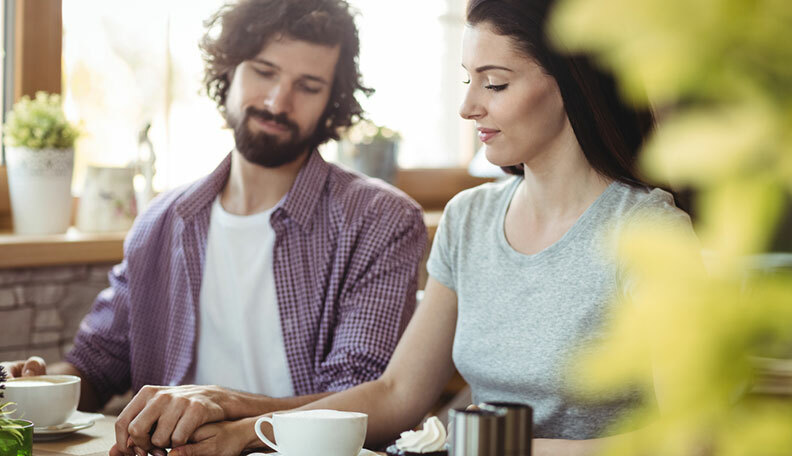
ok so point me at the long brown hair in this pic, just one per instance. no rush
(246, 26)
(610, 131)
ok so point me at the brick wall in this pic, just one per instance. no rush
(41, 308)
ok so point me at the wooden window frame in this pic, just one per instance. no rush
(38, 32)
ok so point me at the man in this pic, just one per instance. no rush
(277, 274)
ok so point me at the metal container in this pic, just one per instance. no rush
(518, 428)
(477, 432)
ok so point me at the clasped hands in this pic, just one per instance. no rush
(189, 419)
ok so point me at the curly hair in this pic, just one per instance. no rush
(246, 26)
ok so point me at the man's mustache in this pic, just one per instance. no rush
(267, 116)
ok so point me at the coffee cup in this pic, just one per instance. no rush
(46, 400)
(312, 432)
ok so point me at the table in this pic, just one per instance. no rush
(94, 441)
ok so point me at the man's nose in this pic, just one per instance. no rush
(279, 100)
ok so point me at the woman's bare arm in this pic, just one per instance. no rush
(416, 375)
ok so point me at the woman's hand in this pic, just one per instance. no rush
(219, 439)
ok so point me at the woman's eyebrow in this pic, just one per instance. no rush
(484, 68)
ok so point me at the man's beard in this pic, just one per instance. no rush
(264, 149)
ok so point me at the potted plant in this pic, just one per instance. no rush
(16, 436)
(40, 159)
(371, 149)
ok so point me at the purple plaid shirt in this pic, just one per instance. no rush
(346, 255)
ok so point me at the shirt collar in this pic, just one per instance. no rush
(299, 203)
(200, 195)
(302, 198)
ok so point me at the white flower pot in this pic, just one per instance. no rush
(39, 184)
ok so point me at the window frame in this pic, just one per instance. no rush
(32, 34)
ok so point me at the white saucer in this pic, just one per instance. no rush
(363, 452)
(77, 421)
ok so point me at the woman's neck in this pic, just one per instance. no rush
(559, 183)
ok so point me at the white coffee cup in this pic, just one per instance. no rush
(313, 432)
(46, 400)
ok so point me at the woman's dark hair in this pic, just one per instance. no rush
(609, 130)
(246, 26)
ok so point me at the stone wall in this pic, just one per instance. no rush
(41, 308)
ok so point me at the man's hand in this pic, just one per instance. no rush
(166, 416)
(33, 366)
(114, 451)
(228, 438)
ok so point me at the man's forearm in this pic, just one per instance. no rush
(89, 400)
(242, 405)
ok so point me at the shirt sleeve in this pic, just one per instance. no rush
(375, 310)
(101, 345)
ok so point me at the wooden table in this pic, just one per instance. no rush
(94, 441)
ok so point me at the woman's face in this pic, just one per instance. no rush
(517, 107)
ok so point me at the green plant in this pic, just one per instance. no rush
(7, 426)
(720, 68)
(366, 132)
(39, 123)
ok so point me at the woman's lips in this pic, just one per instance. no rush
(486, 134)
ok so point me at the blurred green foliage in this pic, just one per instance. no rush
(723, 70)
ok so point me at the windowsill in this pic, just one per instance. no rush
(432, 188)
(72, 247)
(75, 247)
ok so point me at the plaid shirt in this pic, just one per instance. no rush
(345, 258)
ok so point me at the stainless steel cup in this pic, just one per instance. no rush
(518, 428)
(477, 432)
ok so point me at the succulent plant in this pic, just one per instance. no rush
(7, 426)
(39, 123)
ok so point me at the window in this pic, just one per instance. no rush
(129, 64)
(6, 68)
(411, 54)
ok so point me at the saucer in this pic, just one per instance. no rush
(363, 452)
(77, 421)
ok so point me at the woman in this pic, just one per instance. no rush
(519, 280)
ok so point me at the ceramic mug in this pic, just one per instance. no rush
(312, 432)
(46, 400)
(108, 200)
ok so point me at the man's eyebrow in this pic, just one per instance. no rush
(310, 77)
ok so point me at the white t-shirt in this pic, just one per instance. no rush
(240, 341)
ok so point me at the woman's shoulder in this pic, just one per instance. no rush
(640, 203)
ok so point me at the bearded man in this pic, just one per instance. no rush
(276, 279)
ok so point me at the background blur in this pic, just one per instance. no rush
(126, 64)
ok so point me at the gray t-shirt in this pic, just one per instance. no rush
(522, 318)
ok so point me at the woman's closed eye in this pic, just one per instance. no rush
(493, 87)
(496, 87)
